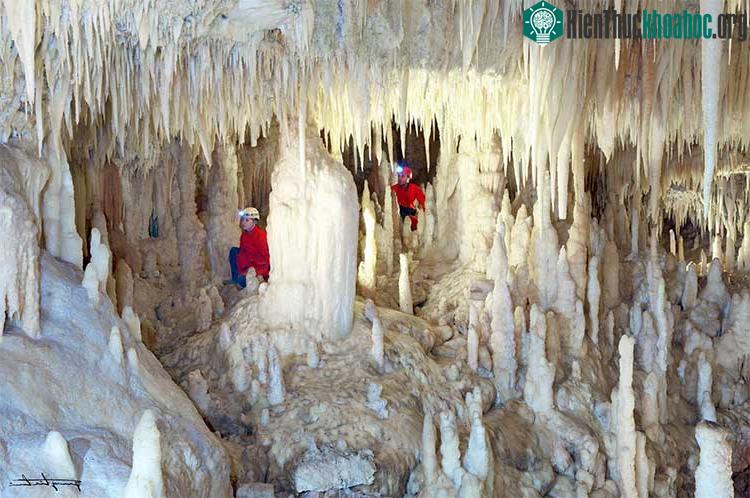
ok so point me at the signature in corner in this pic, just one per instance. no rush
(46, 481)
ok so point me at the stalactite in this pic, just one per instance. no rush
(711, 54)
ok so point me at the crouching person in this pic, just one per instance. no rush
(253, 250)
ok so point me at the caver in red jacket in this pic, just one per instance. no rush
(407, 195)
(254, 252)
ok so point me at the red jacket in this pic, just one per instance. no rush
(254, 252)
(407, 194)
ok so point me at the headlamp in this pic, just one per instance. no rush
(399, 169)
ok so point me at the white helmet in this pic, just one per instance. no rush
(250, 212)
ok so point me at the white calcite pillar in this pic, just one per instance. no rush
(713, 477)
(58, 209)
(366, 275)
(312, 238)
(223, 231)
(623, 404)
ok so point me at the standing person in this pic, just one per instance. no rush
(408, 194)
(253, 250)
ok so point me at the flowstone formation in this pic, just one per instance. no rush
(568, 317)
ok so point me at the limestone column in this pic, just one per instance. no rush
(223, 231)
(312, 238)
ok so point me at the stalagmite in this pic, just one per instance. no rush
(217, 304)
(133, 322)
(544, 250)
(743, 258)
(478, 206)
(622, 409)
(62, 239)
(503, 341)
(716, 251)
(222, 209)
(715, 291)
(733, 346)
(450, 455)
(593, 294)
(115, 345)
(690, 291)
(57, 455)
(191, 234)
(611, 276)
(566, 287)
(578, 237)
(100, 259)
(388, 231)
(366, 274)
(507, 218)
(203, 311)
(472, 338)
(575, 345)
(91, 283)
(664, 322)
(497, 263)
(404, 286)
(642, 467)
(313, 272)
(198, 390)
(478, 457)
(19, 253)
(276, 391)
(705, 379)
(376, 350)
(650, 407)
(520, 237)
(540, 376)
(133, 362)
(146, 479)
(124, 285)
(713, 477)
(429, 458)
(427, 221)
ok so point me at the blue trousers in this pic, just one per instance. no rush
(236, 277)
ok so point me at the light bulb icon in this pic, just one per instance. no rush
(542, 22)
